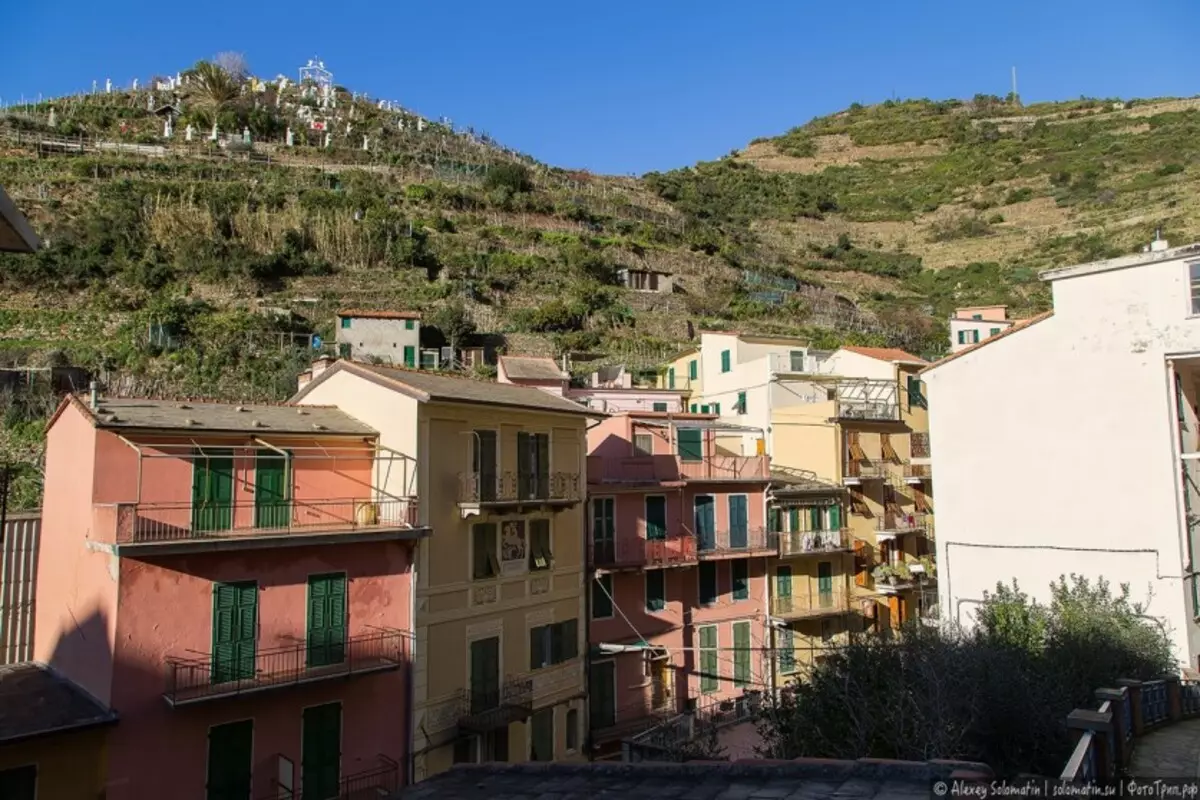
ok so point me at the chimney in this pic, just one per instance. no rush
(94, 395)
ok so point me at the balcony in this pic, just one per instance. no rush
(380, 780)
(734, 543)
(480, 490)
(919, 442)
(490, 709)
(652, 470)
(890, 525)
(859, 471)
(213, 677)
(867, 410)
(794, 363)
(636, 553)
(917, 473)
(171, 526)
(802, 543)
(822, 604)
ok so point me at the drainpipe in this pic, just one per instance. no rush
(93, 395)
(410, 756)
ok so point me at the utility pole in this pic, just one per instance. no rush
(1016, 98)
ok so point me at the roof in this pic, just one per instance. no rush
(978, 308)
(35, 701)
(800, 480)
(666, 419)
(16, 236)
(426, 386)
(985, 319)
(123, 413)
(368, 314)
(807, 778)
(532, 368)
(891, 354)
(1017, 326)
(1123, 262)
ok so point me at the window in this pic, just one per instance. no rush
(975, 337)
(603, 526)
(708, 583)
(656, 518)
(320, 751)
(695, 408)
(703, 409)
(234, 631)
(553, 644)
(862, 562)
(962, 337)
(694, 369)
(741, 403)
(994, 332)
(409, 324)
(429, 359)
(977, 316)
(739, 572)
(785, 644)
(725, 365)
(533, 465)
(483, 548)
(602, 695)
(345, 323)
(885, 447)
(572, 730)
(484, 461)
(656, 590)
(541, 735)
(485, 674)
(741, 654)
(230, 763)
(690, 444)
(710, 677)
(602, 592)
(1194, 281)
(663, 406)
(774, 519)
(670, 380)
(540, 553)
(410, 356)
(643, 444)
(327, 619)
(916, 394)
(716, 409)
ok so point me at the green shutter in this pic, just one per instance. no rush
(708, 582)
(739, 522)
(995, 331)
(825, 578)
(272, 500)
(690, 442)
(739, 572)
(835, 518)
(716, 409)
(741, 654)
(785, 643)
(693, 369)
(794, 519)
(234, 631)
(212, 490)
(656, 517)
(962, 337)
(705, 521)
(709, 675)
(321, 752)
(656, 590)
(783, 581)
(703, 408)
(725, 365)
(230, 761)
(671, 378)
(741, 403)
(409, 324)
(602, 605)
(345, 322)
(410, 356)
(815, 523)
(661, 406)
(602, 701)
(775, 519)
(695, 408)
(542, 738)
(485, 674)
(326, 619)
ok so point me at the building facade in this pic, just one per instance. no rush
(499, 670)
(972, 325)
(236, 583)
(1109, 382)
(678, 553)
(392, 337)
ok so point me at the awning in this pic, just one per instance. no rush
(699, 424)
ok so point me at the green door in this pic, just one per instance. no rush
(410, 356)
(835, 518)
(656, 518)
(706, 522)
(485, 674)
(815, 523)
(602, 699)
(272, 498)
(825, 583)
(230, 758)
(783, 589)
(484, 463)
(321, 752)
(794, 520)
(235, 631)
(212, 490)
(739, 522)
(326, 619)
(691, 444)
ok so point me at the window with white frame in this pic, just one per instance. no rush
(1194, 284)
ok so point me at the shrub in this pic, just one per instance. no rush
(1168, 169)
(1018, 196)
(514, 177)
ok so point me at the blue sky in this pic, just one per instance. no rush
(627, 87)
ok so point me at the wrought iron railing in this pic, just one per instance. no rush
(381, 780)
(665, 467)
(497, 706)
(919, 443)
(902, 523)
(171, 522)
(811, 605)
(865, 471)
(671, 550)
(866, 409)
(517, 487)
(733, 541)
(922, 471)
(662, 741)
(797, 543)
(245, 669)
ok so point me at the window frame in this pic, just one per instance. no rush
(733, 587)
(493, 558)
(660, 577)
(346, 322)
(716, 584)
(1193, 278)
(598, 584)
(702, 652)
(639, 452)
(546, 552)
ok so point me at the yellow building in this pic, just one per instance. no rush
(682, 373)
(52, 736)
(499, 473)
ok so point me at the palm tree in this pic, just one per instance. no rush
(217, 88)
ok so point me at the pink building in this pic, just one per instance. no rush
(609, 389)
(678, 554)
(231, 582)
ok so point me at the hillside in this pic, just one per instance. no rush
(202, 267)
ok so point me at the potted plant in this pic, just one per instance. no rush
(903, 573)
(930, 566)
(884, 574)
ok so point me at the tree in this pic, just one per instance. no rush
(514, 177)
(217, 88)
(454, 321)
(233, 64)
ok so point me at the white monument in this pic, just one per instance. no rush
(328, 139)
(135, 84)
(246, 135)
(53, 118)
(108, 85)
(291, 137)
(95, 87)
(150, 102)
(189, 132)
(168, 127)
(216, 133)
(366, 143)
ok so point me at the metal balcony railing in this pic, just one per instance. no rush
(245, 668)
(137, 523)
(489, 709)
(798, 543)
(918, 471)
(631, 552)
(814, 605)
(920, 445)
(509, 488)
(865, 471)
(666, 467)
(867, 409)
(915, 522)
(381, 780)
(733, 542)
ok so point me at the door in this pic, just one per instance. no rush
(272, 498)
(739, 522)
(321, 752)
(602, 698)
(690, 443)
(326, 619)
(706, 529)
(533, 465)
(783, 589)
(483, 464)
(656, 518)
(19, 783)
(825, 583)
(212, 490)
(660, 693)
(485, 674)
(235, 631)
(603, 526)
(815, 523)
(230, 761)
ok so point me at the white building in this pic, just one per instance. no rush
(972, 325)
(392, 337)
(1062, 445)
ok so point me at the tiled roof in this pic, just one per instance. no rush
(1017, 326)
(35, 700)
(117, 413)
(358, 313)
(803, 779)
(426, 385)
(531, 368)
(891, 354)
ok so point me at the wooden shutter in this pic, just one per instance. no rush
(862, 562)
(271, 507)
(709, 677)
(539, 646)
(857, 503)
(856, 451)
(919, 502)
(739, 521)
(223, 640)
(835, 517)
(656, 517)
(891, 506)
(326, 619)
(885, 447)
(739, 578)
(815, 523)
(741, 654)
(690, 442)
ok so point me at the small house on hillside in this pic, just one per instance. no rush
(646, 280)
(393, 337)
(537, 372)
